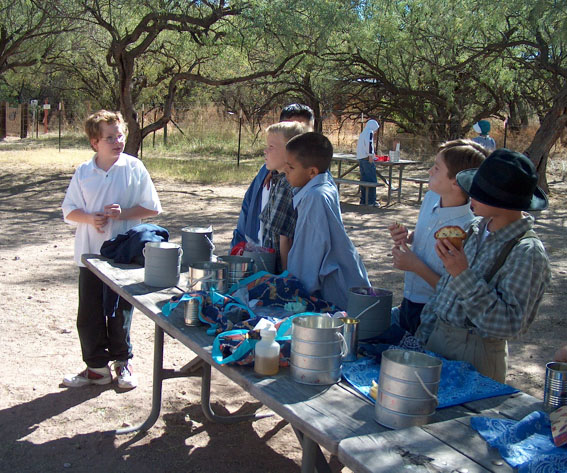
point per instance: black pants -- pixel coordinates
(410, 315)
(103, 322)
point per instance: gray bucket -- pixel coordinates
(373, 307)
(264, 261)
(207, 275)
(308, 366)
(407, 389)
(162, 263)
(555, 390)
(239, 268)
(197, 244)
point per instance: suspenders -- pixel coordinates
(501, 258)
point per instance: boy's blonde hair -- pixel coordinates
(462, 154)
(287, 129)
(92, 125)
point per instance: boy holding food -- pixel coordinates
(495, 283)
(444, 205)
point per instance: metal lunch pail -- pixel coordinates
(239, 268)
(407, 388)
(206, 275)
(373, 307)
(197, 244)
(317, 348)
(162, 263)
(265, 261)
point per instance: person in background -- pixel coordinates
(256, 197)
(365, 152)
(482, 127)
(322, 255)
(107, 196)
(495, 283)
(445, 204)
(278, 216)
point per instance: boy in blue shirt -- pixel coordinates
(322, 255)
(444, 204)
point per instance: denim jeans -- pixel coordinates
(368, 174)
(103, 322)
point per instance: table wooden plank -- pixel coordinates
(404, 450)
(464, 439)
(515, 406)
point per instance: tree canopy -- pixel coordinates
(431, 67)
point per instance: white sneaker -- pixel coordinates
(87, 377)
(124, 374)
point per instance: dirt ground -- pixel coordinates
(45, 427)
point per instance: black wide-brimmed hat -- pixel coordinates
(507, 180)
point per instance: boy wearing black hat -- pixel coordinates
(494, 285)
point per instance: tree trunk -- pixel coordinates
(547, 134)
(518, 116)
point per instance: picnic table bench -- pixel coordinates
(336, 417)
(420, 181)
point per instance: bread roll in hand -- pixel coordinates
(456, 235)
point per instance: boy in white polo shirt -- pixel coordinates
(107, 195)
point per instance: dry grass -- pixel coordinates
(204, 146)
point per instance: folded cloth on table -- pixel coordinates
(460, 382)
(127, 247)
(224, 312)
(278, 290)
(526, 444)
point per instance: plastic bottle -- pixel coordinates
(267, 353)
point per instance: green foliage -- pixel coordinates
(432, 67)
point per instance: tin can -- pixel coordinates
(192, 312)
(555, 390)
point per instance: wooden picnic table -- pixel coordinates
(335, 417)
(353, 164)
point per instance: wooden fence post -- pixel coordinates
(3, 118)
(24, 120)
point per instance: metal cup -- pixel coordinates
(192, 312)
(350, 332)
(555, 390)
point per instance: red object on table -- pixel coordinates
(382, 158)
(238, 249)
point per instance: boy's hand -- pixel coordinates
(99, 220)
(399, 234)
(112, 211)
(454, 260)
(403, 258)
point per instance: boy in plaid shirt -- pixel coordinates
(277, 220)
(479, 304)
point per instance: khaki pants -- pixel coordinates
(488, 355)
